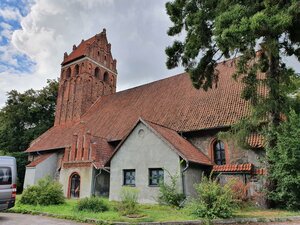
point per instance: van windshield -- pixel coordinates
(5, 175)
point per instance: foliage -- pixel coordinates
(46, 192)
(153, 212)
(22, 161)
(217, 29)
(129, 201)
(229, 28)
(239, 191)
(213, 200)
(26, 115)
(93, 204)
(285, 173)
(169, 194)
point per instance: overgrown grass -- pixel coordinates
(148, 213)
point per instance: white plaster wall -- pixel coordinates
(86, 175)
(192, 176)
(29, 177)
(45, 168)
(141, 152)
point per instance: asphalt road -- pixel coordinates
(22, 219)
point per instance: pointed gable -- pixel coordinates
(178, 144)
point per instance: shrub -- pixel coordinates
(30, 195)
(239, 190)
(168, 193)
(129, 201)
(213, 200)
(46, 192)
(93, 204)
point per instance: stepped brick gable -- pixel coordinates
(88, 73)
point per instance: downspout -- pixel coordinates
(183, 171)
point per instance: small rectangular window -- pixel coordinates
(5, 176)
(129, 177)
(156, 176)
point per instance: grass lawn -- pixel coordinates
(149, 213)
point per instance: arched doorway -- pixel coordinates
(74, 191)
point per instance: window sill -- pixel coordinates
(128, 185)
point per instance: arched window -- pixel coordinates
(219, 153)
(105, 77)
(76, 70)
(68, 73)
(97, 72)
(74, 185)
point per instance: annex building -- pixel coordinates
(102, 139)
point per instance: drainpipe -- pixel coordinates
(183, 171)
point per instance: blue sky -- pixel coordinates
(34, 34)
(11, 13)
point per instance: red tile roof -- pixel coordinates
(233, 168)
(260, 171)
(256, 141)
(79, 51)
(171, 102)
(39, 159)
(183, 147)
(102, 150)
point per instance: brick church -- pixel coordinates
(103, 140)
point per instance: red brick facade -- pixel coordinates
(88, 73)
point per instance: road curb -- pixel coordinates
(189, 222)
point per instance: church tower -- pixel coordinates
(87, 73)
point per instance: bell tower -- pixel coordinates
(87, 73)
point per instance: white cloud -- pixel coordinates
(136, 29)
(9, 13)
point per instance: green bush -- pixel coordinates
(213, 200)
(129, 201)
(46, 192)
(168, 193)
(93, 204)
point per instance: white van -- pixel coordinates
(8, 177)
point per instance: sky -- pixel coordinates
(34, 34)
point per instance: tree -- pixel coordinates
(216, 29)
(226, 28)
(285, 173)
(26, 116)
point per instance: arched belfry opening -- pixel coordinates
(97, 72)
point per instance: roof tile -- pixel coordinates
(233, 168)
(39, 159)
(172, 102)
